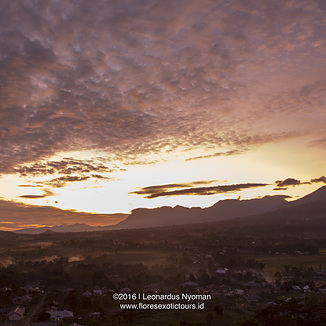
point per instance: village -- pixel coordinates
(227, 281)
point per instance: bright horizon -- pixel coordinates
(111, 106)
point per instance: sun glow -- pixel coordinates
(90, 181)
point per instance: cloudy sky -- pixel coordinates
(106, 106)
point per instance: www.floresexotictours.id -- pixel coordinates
(162, 306)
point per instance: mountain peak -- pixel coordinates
(318, 195)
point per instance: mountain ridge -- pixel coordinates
(223, 210)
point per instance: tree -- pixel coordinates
(218, 309)
(43, 316)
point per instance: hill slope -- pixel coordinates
(224, 209)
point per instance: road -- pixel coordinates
(32, 312)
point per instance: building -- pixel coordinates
(60, 314)
(16, 314)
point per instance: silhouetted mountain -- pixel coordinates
(49, 232)
(317, 196)
(224, 209)
(78, 227)
(146, 217)
(269, 209)
(308, 216)
(231, 208)
(6, 233)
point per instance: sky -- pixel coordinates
(107, 106)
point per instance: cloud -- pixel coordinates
(46, 193)
(136, 78)
(16, 216)
(161, 191)
(291, 182)
(62, 181)
(162, 188)
(65, 166)
(319, 142)
(320, 179)
(228, 153)
(287, 182)
(67, 170)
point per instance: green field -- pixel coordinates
(146, 257)
(274, 263)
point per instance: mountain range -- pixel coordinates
(64, 228)
(259, 210)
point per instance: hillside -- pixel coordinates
(269, 209)
(224, 209)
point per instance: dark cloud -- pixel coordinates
(321, 179)
(62, 181)
(287, 182)
(46, 193)
(163, 188)
(67, 170)
(65, 166)
(32, 196)
(144, 77)
(284, 184)
(228, 153)
(160, 191)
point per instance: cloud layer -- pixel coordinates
(190, 189)
(133, 78)
(291, 182)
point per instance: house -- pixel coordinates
(221, 271)
(60, 314)
(22, 300)
(239, 292)
(87, 294)
(16, 315)
(97, 292)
